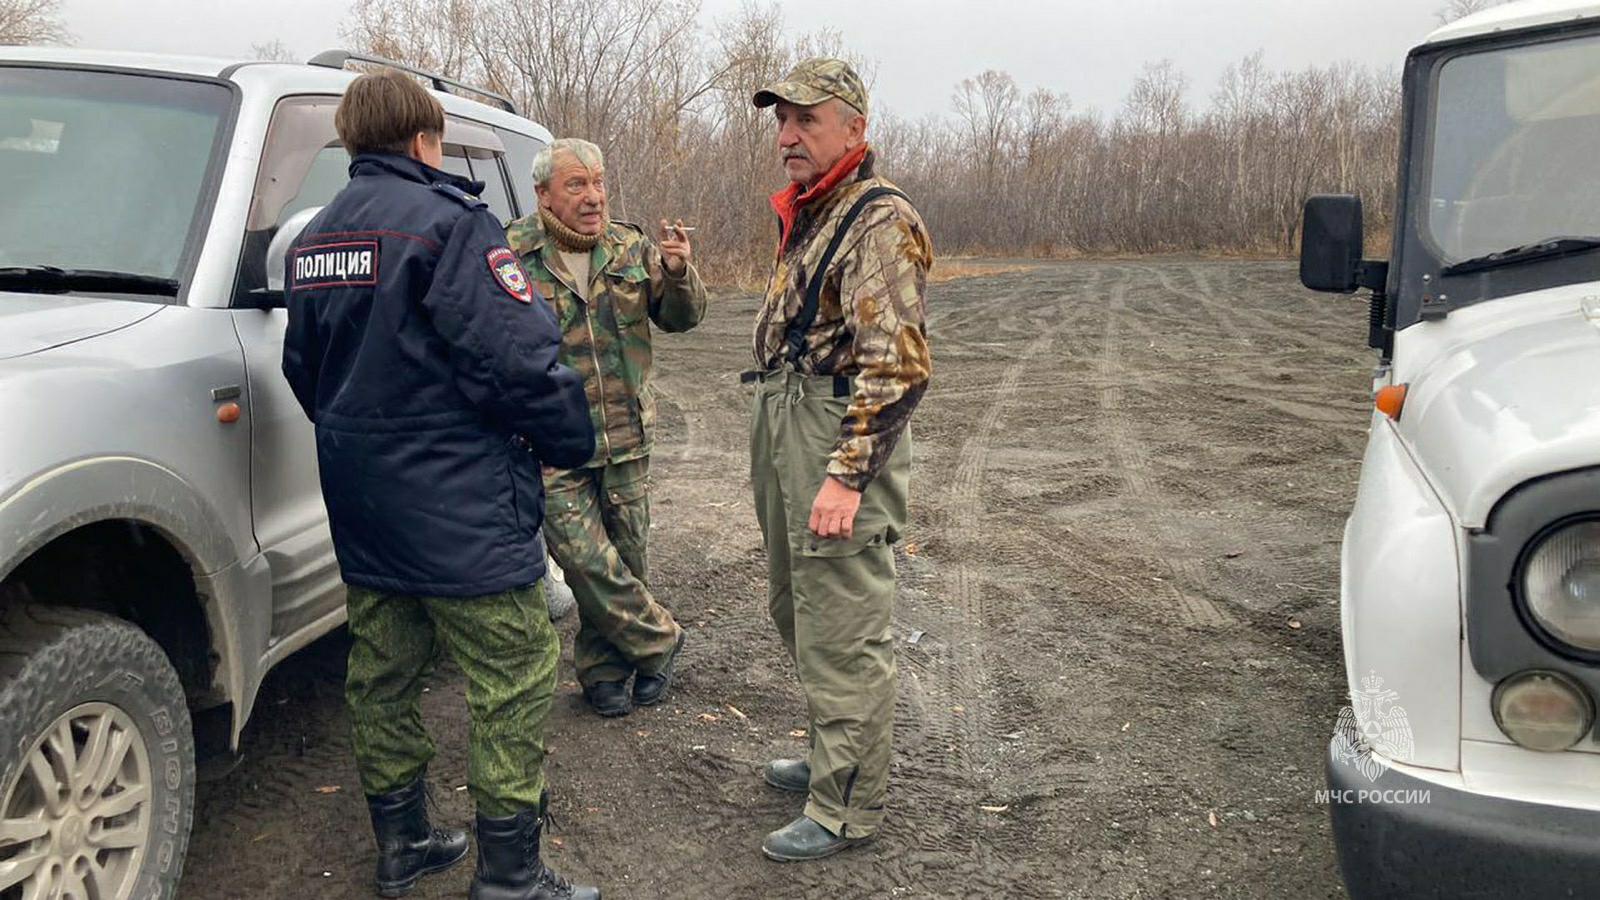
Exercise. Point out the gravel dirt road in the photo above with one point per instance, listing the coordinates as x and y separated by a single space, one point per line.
1117 623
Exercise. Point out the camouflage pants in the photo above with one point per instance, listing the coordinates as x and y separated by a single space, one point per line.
507 648
597 522
832 601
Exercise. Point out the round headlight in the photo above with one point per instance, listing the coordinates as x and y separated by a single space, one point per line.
1543 710
1561 585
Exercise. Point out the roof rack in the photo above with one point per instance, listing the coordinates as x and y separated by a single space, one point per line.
338 59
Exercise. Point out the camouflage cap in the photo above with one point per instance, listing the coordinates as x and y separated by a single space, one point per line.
814 81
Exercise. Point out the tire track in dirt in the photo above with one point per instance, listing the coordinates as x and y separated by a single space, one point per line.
951 321
294 772
1133 463
692 446
1254 328
946 708
1263 324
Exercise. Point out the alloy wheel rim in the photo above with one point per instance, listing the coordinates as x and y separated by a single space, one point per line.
77 815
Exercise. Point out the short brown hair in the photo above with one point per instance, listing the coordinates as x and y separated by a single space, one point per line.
382 111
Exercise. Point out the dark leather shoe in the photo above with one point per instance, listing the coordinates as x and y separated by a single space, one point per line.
608 698
804 839
509 864
649 689
408 846
793 775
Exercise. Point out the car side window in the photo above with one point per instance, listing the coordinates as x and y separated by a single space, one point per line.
520 151
488 170
455 161
474 149
303 165
329 172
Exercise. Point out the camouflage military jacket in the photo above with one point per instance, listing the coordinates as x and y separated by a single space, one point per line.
871 318
607 339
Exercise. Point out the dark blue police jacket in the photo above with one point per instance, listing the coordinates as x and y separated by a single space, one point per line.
416 346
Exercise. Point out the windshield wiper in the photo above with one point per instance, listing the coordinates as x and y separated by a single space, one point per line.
1549 248
53 280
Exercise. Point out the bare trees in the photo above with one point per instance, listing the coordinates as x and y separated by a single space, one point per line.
1007 176
1006 171
621 73
430 35
273 51
1455 9
988 108
31 22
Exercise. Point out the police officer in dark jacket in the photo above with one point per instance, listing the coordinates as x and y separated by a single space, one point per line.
416 347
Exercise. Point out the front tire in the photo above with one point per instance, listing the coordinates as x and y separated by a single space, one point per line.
96 759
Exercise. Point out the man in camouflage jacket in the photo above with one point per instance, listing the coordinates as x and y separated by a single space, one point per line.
830 452
607 282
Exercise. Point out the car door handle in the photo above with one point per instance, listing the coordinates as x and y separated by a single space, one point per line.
226 392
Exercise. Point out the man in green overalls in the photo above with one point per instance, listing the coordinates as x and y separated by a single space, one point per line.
841 361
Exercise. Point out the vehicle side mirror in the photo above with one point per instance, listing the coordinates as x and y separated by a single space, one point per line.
271 297
1331 244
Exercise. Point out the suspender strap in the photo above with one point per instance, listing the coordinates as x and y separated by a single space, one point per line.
794 338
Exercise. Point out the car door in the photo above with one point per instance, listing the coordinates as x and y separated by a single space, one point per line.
302 166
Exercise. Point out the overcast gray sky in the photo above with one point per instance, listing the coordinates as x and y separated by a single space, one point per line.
1091 49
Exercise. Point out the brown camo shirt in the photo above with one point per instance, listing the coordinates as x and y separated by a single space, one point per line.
871 321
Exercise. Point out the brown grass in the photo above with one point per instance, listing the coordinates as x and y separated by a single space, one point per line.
953 268
749 274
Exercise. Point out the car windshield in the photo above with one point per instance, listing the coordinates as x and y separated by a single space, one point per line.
1516 133
102 171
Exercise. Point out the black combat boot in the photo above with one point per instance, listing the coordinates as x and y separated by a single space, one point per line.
408 846
648 689
509 867
608 698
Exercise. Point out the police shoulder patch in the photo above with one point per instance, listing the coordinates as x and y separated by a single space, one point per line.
508 274
460 196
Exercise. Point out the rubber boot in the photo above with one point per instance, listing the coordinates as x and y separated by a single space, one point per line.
409 847
805 839
793 775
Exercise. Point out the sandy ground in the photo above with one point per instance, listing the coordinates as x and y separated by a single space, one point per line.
1118 623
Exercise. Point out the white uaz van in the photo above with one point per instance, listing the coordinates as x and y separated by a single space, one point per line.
1468 763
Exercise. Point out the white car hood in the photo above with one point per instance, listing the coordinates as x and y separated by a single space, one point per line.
1506 392
33 322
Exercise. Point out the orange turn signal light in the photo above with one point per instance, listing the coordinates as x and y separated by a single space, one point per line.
228 413
1391 400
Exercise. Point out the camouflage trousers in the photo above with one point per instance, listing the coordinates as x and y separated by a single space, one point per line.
832 601
507 648
596 524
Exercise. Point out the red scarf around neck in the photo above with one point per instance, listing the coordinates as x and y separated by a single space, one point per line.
787 202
